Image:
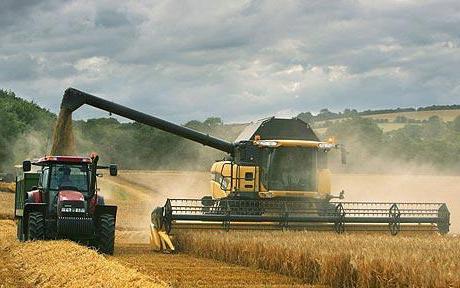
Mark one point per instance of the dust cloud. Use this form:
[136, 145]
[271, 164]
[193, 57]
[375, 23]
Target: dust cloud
[63, 137]
[138, 192]
[402, 188]
[369, 176]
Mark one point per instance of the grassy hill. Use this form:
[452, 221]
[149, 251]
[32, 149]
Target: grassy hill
[395, 120]
[445, 115]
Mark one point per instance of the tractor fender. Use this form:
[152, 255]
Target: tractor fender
[34, 196]
[100, 200]
[96, 200]
[105, 209]
[29, 208]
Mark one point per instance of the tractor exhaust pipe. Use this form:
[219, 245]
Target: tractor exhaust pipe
[74, 99]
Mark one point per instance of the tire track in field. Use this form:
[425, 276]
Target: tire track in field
[181, 270]
[178, 270]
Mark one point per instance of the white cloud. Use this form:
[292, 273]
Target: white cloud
[92, 64]
[240, 60]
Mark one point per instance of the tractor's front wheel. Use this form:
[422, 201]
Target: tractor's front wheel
[106, 233]
[36, 226]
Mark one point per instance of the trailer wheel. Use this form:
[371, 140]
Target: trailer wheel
[20, 229]
[106, 233]
[36, 226]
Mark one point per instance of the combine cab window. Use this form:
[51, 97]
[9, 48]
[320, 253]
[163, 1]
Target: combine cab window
[69, 177]
[292, 169]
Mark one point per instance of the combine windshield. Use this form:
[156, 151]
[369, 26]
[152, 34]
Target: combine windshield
[290, 169]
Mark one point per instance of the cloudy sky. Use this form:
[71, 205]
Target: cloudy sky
[239, 60]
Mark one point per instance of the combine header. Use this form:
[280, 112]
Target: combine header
[280, 214]
[275, 177]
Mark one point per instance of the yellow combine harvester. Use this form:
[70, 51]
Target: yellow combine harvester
[275, 177]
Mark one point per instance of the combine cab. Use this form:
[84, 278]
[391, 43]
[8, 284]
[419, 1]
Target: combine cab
[60, 201]
[275, 177]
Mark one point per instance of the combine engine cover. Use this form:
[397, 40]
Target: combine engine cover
[73, 219]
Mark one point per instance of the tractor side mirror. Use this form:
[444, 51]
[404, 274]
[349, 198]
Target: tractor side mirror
[113, 168]
[26, 166]
[343, 154]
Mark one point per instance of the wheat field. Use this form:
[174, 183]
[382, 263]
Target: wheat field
[7, 187]
[62, 264]
[256, 259]
[6, 205]
[353, 260]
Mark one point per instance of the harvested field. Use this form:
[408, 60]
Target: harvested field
[67, 265]
[137, 193]
[6, 205]
[7, 187]
[135, 203]
[336, 260]
[181, 270]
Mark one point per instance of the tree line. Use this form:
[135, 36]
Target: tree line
[26, 131]
[325, 114]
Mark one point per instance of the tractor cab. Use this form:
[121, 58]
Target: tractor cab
[64, 202]
[64, 178]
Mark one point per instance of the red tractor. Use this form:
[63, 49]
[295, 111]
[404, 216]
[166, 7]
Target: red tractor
[60, 201]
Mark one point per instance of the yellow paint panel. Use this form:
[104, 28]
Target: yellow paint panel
[293, 143]
[295, 194]
[324, 181]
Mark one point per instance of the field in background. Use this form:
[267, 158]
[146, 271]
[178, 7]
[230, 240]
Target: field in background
[386, 127]
[445, 115]
[6, 205]
[7, 187]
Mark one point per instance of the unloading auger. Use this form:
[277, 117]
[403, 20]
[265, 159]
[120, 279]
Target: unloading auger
[275, 177]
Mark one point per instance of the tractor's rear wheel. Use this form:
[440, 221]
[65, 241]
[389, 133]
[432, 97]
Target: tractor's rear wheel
[106, 233]
[36, 226]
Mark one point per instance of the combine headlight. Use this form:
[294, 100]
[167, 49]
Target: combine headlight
[267, 143]
[326, 146]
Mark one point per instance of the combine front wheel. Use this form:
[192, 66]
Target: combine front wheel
[106, 233]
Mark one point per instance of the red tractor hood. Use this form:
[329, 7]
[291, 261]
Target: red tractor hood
[68, 195]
